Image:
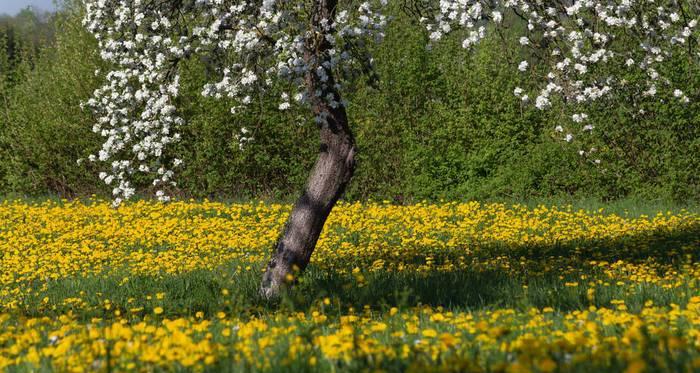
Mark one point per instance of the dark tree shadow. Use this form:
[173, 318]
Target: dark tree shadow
[480, 282]
[544, 269]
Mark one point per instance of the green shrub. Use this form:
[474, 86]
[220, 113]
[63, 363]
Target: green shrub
[439, 123]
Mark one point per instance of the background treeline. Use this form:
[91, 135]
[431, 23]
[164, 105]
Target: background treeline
[440, 123]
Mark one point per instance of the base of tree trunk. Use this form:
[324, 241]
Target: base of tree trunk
[327, 182]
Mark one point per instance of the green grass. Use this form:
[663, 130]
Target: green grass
[518, 277]
[465, 289]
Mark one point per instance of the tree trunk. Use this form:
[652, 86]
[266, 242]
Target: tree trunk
[331, 173]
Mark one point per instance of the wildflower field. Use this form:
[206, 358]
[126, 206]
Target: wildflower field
[428, 287]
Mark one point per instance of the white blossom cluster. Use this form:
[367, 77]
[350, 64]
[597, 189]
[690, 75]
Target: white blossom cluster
[572, 40]
[276, 41]
[259, 43]
[134, 108]
[266, 41]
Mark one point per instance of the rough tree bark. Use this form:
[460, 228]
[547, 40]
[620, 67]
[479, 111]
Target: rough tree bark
[331, 173]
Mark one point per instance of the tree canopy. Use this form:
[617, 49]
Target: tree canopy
[258, 45]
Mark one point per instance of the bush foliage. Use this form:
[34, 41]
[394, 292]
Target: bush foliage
[439, 122]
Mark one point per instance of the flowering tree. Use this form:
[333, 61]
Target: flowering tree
[316, 48]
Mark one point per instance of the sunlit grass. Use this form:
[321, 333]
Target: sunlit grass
[451, 287]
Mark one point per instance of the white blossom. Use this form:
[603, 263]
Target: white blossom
[523, 66]
[580, 117]
[143, 42]
[581, 35]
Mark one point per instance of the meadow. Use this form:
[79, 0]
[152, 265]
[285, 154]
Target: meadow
[482, 287]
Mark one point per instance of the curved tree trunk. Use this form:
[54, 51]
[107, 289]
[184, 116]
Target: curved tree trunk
[331, 173]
